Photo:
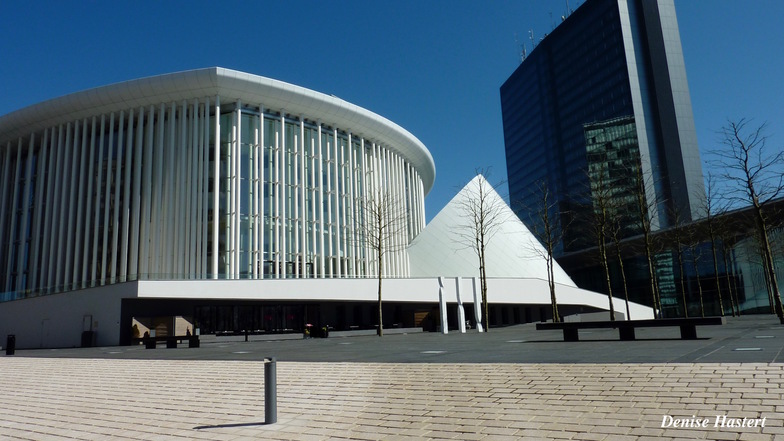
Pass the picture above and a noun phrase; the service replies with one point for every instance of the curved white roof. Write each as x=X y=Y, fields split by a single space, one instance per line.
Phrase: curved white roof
x=230 y=85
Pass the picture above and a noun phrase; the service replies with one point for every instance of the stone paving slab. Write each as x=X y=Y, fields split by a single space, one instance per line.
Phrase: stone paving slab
x=97 y=399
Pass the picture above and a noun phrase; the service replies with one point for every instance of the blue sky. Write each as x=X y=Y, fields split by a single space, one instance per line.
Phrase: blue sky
x=434 y=67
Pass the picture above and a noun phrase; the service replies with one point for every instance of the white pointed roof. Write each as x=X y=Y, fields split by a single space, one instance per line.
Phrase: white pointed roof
x=512 y=252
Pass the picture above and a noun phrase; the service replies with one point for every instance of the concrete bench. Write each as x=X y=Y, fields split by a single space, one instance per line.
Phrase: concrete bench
x=171 y=341
x=626 y=327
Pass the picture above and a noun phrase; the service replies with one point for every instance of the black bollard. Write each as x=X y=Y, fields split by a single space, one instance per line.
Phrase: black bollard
x=10 y=344
x=270 y=392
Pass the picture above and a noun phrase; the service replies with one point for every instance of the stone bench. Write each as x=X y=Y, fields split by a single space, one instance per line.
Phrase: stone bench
x=171 y=341
x=626 y=327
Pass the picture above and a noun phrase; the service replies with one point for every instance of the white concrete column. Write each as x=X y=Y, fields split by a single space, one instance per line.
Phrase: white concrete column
x=73 y=276
x=295 y=181
x=343 y=186
x=262 y=193
x=172 y=185
x=255 y=201
x=90 y=217
x=77 y=202
x=62 y=212
x=7 y=184
x=283 y=193
x=88 y=212
x=193 y=193
x=46 y=235
x=276 y=218
x=157 y=222
x=119 y=183
x=461 y=321
x=205 y=194
x=146 y=197
x=107 y=202
x=74 y=204
x=133 y=267
x=236 y=171
x=28 y=175
x=38 y=207
x=363 y=194
x=331 y=223
x=101 y=184
x=352 y=217
x=320 y=182
x=302 y=182
x=477 y=305
x=442 y=306
x=336 y=203
x=216 y=192
x=12 y=234
x=314 y=207
x=181 y=257
x=126 y=204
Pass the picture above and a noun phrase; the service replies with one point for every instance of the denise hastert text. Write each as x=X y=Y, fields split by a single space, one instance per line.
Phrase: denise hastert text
x=721 y=421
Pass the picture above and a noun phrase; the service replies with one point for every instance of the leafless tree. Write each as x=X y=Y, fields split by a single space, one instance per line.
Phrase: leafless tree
x=677 y=237
x=616 y=227
x=727 y=240
x=484 y=212
x=384 y=221
x=755 y=174
x=696 y=255
x=546 y=226
x=643 y=220
x=601 y=196
x=710 y=210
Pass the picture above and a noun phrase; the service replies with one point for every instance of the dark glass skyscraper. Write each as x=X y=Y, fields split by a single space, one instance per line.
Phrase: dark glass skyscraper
x=609 y=83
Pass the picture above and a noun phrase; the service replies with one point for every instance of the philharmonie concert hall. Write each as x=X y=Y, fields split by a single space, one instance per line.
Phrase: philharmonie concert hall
x=217 y=201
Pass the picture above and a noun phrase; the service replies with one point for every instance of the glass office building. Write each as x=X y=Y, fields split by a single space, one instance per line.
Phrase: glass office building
x=610 y=61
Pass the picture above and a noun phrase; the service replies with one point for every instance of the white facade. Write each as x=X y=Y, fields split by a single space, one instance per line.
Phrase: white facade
x=118 y=183
x=218 y=194
x=59 y=320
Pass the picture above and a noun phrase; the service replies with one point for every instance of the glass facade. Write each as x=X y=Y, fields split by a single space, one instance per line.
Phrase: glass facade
x=201 y=189
x=613 y=163
x=608 y=61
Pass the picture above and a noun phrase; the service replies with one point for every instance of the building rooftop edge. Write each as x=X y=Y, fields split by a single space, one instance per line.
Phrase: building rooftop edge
x=228 y=84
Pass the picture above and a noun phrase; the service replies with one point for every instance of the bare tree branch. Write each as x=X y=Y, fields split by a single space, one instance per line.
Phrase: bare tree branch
x=484 y=213
x=547 y=228
x=755 y=175
x=383 y=224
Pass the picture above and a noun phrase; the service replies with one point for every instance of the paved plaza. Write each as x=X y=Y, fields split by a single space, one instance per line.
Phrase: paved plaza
x=216 y=392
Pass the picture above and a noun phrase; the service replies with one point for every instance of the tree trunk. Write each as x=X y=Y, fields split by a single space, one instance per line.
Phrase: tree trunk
x=483 y=275
x=603 y=253
x=683 y=284
x=380 y=330
x=553 y=301
x=716 y=271
x=729 y=269
x=770 y=270
x=623 y=276
x=652 y=274
x=699 y=284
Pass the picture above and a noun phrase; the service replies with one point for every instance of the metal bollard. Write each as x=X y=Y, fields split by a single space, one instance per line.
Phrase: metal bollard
x=270 y=391
x=10 y=344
